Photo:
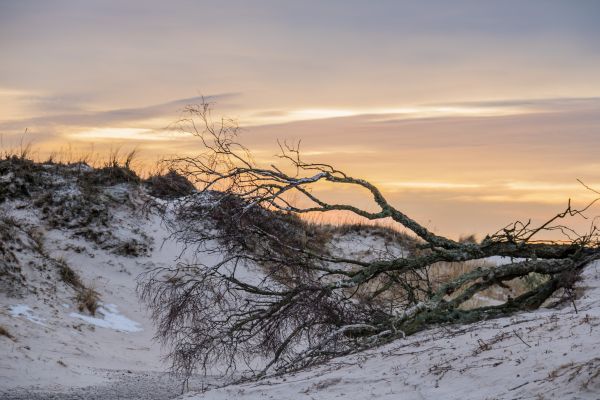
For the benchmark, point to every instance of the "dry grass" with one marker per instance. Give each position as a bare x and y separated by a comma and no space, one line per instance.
68,275
108,157
87,299
5,332
37,240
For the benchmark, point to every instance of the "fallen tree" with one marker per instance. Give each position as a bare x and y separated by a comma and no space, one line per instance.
309,304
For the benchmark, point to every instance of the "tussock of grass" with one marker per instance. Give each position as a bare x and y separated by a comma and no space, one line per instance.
5,332
68,275
87,299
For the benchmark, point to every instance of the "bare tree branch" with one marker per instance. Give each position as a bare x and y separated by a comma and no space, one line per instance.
283,295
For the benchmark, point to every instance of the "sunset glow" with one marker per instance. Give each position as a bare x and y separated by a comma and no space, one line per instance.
466,115
115,134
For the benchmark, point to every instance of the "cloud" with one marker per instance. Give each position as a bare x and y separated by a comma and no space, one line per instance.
541,104
112,117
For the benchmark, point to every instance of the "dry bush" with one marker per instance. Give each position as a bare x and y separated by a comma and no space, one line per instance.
132,247
87,299
171,185
115,170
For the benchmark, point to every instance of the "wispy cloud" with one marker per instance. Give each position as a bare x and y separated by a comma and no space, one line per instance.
538,104
426,111
110,118
430,185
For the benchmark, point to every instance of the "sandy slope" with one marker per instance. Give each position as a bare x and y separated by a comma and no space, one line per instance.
545,354
58,349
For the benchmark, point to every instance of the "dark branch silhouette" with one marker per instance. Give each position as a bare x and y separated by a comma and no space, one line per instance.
281,294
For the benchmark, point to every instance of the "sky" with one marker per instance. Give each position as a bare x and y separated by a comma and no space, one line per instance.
468,114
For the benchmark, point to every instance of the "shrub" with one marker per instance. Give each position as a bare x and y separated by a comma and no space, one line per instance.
171,185
110,175
87,299
132,248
